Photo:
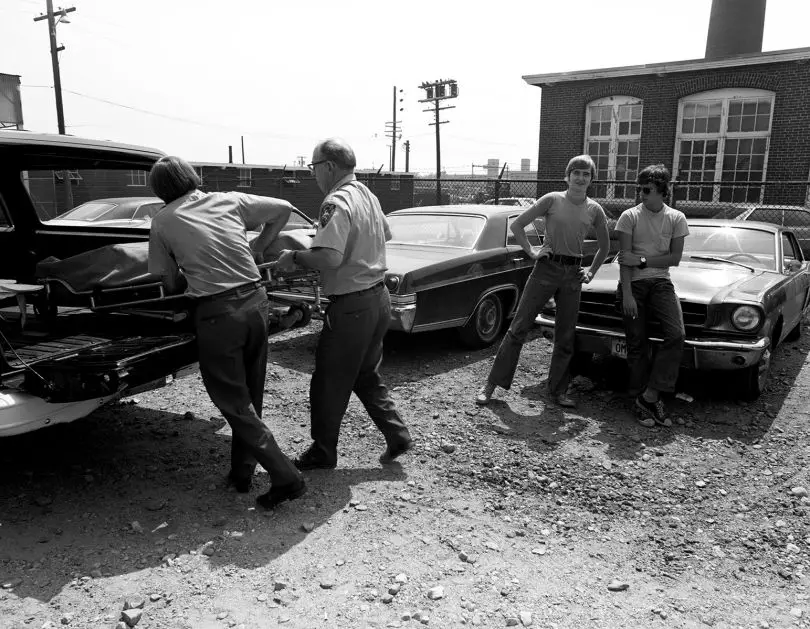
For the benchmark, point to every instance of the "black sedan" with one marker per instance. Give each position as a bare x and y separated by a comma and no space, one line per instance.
743,287
458,266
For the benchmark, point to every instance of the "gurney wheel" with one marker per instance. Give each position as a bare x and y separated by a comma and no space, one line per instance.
306,314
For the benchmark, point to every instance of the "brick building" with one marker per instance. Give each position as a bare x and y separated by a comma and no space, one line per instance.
728,126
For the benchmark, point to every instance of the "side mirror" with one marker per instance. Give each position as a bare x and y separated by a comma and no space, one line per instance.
792,265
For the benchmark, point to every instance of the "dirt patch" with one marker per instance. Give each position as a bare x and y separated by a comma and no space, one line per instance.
517,514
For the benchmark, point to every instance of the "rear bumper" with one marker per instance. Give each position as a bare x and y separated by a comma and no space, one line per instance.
708,354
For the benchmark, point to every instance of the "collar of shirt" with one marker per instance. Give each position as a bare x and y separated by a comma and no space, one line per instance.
180,200
343,182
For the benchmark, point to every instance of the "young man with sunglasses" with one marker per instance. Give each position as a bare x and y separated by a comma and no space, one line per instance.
651,238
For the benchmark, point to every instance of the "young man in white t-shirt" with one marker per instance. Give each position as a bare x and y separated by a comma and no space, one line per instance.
651,238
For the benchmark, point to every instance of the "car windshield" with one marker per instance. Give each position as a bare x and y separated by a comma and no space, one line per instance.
751,247
436,230
91,211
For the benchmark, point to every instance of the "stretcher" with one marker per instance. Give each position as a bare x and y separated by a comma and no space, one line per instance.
115,278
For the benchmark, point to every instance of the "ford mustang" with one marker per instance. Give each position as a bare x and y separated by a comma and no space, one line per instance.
458,266
743,288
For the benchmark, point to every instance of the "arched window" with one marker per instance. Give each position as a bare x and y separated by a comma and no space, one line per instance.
721,149
612,138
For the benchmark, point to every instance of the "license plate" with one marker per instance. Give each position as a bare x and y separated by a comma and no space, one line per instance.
618,347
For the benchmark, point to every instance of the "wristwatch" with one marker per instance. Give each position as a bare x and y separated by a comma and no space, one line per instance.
642,262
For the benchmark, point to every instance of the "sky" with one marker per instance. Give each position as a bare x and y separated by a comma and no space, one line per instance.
193,77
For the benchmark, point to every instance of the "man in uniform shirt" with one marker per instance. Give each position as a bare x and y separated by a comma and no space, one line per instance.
349,251
203,235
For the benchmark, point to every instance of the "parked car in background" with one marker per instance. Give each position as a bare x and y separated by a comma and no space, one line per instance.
743,289
795,218
458,266
137,212
520,201
114,212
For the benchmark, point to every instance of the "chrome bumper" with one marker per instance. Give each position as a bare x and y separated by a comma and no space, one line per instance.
402,318
720,354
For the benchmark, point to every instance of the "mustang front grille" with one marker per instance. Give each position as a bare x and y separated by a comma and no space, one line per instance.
601,310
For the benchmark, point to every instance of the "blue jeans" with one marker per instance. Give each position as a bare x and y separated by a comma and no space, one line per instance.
655,299
548,279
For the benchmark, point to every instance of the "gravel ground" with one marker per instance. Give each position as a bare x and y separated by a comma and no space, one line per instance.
517,514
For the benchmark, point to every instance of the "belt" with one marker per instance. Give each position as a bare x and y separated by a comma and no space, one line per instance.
237,291
571,260
357,293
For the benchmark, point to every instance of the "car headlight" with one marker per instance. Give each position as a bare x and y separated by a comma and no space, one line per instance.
392,282
746,318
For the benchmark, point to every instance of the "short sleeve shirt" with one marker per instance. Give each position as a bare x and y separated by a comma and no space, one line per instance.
204,235
652,234
352,223
568,223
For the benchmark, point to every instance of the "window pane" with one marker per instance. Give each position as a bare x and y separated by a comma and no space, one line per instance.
759,145
624,128
764,106
750,108
688,125
714,125
734,108
711,147
700,125
763,122
734,123
748,123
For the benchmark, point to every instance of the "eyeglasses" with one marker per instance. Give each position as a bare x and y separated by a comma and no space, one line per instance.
314,164
644,189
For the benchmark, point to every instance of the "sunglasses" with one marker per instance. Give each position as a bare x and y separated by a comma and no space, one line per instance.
645,189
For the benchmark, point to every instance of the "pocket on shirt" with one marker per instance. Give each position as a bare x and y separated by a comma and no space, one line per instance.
664,240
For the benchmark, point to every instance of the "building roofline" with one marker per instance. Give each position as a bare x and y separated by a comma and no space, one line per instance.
660,69
289,169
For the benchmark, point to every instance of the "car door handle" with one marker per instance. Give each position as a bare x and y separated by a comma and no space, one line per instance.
519,259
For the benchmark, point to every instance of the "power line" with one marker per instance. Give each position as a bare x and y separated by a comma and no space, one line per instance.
175,118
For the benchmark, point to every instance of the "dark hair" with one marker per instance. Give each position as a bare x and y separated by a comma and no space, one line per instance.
581,162
656,174
338,151
172,177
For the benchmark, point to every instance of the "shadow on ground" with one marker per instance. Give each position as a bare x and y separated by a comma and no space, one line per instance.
130,488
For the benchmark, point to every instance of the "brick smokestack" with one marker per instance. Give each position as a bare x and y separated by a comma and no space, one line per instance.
735,28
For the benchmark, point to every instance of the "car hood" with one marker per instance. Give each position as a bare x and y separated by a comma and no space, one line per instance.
701,282
402,259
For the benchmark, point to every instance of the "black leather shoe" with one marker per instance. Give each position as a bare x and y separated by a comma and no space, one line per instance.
309,461
280,494
242,485
392,453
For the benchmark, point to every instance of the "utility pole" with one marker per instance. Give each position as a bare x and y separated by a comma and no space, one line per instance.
393,131
57,83
435,92
407,146
243,149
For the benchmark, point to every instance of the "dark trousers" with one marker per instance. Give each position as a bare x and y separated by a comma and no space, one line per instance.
548,279
232,345
655,298
347,359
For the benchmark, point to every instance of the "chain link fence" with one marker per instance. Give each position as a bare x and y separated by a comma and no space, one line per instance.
766,200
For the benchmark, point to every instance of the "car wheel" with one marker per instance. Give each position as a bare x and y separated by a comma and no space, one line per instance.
485,324
755,377
796,333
